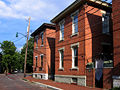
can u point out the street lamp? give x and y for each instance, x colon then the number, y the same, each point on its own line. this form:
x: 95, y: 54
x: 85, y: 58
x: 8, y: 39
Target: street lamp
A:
x: 28, y: 28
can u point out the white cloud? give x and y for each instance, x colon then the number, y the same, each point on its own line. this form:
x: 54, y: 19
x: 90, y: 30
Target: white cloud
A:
x: 19, y: 49
x: 37, y: 9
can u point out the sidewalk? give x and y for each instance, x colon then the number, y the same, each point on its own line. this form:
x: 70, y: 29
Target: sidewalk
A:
x: 57, y: 86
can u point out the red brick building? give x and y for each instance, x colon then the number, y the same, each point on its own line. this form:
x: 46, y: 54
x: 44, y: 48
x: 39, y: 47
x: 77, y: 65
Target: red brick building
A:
x: 116, y: 42
x: 83, y: 32
x: 44, y: 52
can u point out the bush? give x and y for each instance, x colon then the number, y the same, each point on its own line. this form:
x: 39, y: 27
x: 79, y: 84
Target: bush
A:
x: 115, y: 88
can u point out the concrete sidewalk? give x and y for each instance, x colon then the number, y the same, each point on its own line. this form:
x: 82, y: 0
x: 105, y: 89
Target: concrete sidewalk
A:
x: 58, y: 86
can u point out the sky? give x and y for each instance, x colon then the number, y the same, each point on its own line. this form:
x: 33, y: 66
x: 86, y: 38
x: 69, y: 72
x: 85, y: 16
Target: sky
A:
x: 14, y: 17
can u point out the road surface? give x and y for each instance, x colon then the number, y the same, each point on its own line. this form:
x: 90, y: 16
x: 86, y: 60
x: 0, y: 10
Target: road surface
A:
x: 15, y: 82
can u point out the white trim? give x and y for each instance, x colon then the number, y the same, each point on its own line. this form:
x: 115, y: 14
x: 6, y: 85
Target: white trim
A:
x: 67, y: 76
x: 44, y: 76
x: 41, y: 54
x: 72, y: 47
x: 75, y: 44
x: 61, y: 49
x: 60, y: 63
x: 74, y: 13
x: 62, y: 22
x: 116, y: 77
x: 72, y: 16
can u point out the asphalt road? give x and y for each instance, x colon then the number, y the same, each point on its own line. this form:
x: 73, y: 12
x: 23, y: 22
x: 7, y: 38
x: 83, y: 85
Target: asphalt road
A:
x: 15, y: 82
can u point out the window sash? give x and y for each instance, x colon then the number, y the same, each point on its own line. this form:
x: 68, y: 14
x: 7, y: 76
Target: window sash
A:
x: 61, y: 58
x: 74, y: 56
x: 75, y: 23
x: 61, y: 31
x: 36, y: 61
x: 42, y: 39
x: 105, y: 24
x: 41, y: 61
x: 36, y: 38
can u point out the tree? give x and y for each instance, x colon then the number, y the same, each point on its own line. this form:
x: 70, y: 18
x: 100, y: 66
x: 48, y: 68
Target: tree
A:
x: 29, y: 54
x: 8, y: 50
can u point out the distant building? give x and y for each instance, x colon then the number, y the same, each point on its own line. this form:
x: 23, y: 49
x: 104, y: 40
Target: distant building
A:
x: 83, y: 34
x: 44, y: 52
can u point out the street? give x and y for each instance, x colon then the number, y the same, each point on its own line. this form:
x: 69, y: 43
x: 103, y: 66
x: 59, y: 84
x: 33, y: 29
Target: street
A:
x: 15, y: 82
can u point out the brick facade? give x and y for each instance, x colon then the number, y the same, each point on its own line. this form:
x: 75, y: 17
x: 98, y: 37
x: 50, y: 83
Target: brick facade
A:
x: 47, y: 50
x: 89, y: 38
x: 116, y: 43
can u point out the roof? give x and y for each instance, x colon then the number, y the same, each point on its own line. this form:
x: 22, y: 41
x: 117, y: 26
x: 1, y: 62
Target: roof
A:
x: 43, y: 27
x: 96, y: 3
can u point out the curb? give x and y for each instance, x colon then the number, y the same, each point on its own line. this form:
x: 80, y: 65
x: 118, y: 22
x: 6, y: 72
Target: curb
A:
x: 44, y: 85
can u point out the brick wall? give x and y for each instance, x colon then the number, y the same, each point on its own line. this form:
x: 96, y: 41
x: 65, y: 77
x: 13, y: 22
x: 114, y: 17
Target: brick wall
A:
x: 116, y: 35
x: 90, y: 40
x: 48, y: 50
x: 90, y: 77
x: 107, y: 78
x: 68, y: 40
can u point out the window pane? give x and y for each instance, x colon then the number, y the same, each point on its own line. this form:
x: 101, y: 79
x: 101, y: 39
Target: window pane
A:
x: 42, y: 38
x: 42, y: 61
x: 62, y: 56
x: 62, y: 31
x: 76, y: 23
x: 76, y: 56
x: 36, y: 41
x: 36, y: 61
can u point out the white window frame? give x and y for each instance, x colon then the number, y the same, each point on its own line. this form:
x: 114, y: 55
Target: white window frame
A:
x: 60, y: 58
x: 105, y: 22
x: 62, y: 22
x: 73, y: 59
x: 73, y: 25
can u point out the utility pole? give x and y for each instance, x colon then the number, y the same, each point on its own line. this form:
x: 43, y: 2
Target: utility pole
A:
x: 28, y: 29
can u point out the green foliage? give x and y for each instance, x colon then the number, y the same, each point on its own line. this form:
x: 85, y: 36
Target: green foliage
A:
x: 29, y: 54
x: 8, y: 50
x: 115, y: 88
x: 13, y: 60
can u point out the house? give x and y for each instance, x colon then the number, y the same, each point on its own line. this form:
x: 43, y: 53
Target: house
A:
x: 83, y: 34
x: 116, y: 42
x: 44, y: 51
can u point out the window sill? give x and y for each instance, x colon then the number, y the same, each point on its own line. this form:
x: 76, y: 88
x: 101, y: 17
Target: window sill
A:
x: 61, y: 69
x: 74, y: 34
x: 61, y: 40
x: 41, y: 45
x: 74, y: 68
x: 36, y: 47
x: 107, y: 33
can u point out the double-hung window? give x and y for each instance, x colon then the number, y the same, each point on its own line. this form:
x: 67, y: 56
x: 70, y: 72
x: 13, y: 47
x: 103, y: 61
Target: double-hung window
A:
x: 61, y: 56
x: 42, y: 38
x: 74, y: 17
x: 61, y: 24
x: 105, y: 23
x: 36, y: 61
x: 36, y: 39
x: 74, y: 48
x: 41, y: 60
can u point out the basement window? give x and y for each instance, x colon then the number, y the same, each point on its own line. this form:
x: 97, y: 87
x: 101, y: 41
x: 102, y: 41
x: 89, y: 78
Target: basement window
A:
x: 74, y: 81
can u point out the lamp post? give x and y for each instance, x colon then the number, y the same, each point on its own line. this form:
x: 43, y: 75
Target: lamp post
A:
x: 28, y: 29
